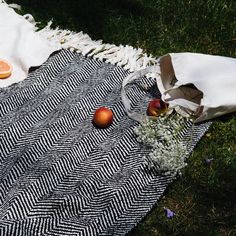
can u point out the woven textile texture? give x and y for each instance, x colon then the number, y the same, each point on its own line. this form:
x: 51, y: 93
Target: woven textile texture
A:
x: 59, y: 175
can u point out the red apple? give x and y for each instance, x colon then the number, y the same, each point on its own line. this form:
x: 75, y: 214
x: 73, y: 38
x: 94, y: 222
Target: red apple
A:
x: 156, y: 107
x: 103, y: 117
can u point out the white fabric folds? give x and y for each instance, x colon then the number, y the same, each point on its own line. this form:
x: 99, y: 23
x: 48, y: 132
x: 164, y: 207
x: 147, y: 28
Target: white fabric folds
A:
x: 194, y: 84
x: 21, y: 45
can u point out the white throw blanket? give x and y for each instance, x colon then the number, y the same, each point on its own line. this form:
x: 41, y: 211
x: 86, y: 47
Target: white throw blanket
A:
x: 21, y: 45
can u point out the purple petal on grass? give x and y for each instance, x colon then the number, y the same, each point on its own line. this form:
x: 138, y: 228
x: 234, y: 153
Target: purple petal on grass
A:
x: 209, y: 161
x: 169, y: 213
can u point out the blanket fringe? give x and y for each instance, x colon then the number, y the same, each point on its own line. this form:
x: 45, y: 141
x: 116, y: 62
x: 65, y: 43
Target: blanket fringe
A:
x: 12, y: 5
x: 125, y: 56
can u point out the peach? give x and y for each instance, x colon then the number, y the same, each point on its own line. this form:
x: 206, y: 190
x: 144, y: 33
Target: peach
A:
x: 156, y: 107
x: 103, y: 117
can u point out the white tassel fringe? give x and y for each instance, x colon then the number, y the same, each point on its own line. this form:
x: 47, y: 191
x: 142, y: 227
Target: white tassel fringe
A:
x: 125, y: 56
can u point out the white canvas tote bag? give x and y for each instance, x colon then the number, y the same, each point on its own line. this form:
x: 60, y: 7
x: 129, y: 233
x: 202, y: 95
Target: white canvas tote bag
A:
x: 200, y: 85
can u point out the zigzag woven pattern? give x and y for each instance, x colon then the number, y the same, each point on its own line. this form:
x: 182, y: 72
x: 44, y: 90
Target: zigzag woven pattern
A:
x: 59, y: 175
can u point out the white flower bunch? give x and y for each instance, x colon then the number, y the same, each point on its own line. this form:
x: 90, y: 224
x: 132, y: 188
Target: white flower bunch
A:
x: 168, y: 152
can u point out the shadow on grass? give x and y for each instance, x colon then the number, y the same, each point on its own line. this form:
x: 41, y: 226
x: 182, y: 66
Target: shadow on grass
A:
x: 158, y: 27
x: 87, y: 15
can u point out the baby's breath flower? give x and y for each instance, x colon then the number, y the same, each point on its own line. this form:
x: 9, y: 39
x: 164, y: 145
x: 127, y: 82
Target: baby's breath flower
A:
x: 168, y: 152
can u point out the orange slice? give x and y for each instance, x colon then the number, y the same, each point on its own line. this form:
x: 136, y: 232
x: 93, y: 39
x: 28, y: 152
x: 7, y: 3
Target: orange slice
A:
x: 5, y: 69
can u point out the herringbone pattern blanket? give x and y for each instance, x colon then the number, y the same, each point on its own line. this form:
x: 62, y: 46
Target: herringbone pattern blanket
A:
x: 59, y: 175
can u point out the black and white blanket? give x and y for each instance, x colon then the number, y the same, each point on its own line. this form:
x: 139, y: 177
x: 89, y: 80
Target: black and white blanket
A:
x: 59, y: 175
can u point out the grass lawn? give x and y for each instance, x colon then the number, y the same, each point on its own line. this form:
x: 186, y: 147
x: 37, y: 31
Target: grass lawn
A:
x: 204, y: 198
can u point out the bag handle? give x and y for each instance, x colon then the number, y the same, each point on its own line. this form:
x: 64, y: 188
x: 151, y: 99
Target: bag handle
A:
x: 129, y: 79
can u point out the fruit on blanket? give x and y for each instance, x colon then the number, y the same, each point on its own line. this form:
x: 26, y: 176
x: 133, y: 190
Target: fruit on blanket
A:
x: 103, y: 117
x: 5, y: 69
x: 156, y: 107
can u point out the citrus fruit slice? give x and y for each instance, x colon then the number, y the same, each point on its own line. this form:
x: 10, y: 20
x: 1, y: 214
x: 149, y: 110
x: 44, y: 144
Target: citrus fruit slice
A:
x: 5, y: 69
